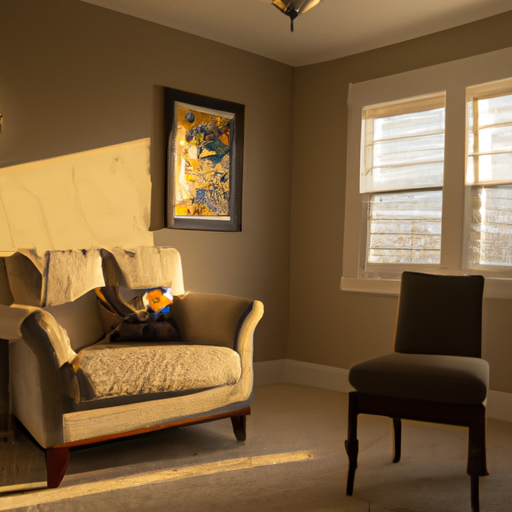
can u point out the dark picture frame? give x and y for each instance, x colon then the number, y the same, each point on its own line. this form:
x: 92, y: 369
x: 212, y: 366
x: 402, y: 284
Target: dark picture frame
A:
x: 204, y: 144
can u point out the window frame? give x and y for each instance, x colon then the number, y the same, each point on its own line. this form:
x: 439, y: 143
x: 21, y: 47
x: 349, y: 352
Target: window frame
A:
x: 370, y: 187
x: 481, y: 92
x: 453, y: 78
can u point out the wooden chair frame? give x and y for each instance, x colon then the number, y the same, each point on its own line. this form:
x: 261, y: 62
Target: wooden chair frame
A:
x: 471, y: 416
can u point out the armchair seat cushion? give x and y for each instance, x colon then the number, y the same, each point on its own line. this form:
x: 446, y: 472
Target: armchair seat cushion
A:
x: 108, y: 370
x: 440, y: 378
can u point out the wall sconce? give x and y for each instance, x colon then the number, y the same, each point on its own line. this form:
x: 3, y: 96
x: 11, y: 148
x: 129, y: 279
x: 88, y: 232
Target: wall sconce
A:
x: 293, y: 8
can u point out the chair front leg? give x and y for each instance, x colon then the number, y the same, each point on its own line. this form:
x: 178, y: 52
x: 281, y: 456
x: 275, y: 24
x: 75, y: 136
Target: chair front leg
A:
x: 352, y: 444
x: 477, y: 460
x: 397, y: 437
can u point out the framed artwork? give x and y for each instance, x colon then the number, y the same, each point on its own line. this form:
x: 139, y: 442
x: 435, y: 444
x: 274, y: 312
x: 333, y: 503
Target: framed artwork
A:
x: 205, y: 139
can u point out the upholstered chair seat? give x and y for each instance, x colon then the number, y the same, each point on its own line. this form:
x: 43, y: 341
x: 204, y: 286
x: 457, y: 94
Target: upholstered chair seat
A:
x: 438, y: 378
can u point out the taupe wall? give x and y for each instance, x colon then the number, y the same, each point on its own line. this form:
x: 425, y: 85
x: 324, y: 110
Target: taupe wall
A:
x: 340, y: 328
x: 74, y: 77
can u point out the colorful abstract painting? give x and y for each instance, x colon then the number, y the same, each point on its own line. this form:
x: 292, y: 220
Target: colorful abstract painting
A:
x: 205, y: 143
x: 202, y: 162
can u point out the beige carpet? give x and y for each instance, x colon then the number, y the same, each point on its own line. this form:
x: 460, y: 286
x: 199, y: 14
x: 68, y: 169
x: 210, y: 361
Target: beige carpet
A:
x: 293, y: 460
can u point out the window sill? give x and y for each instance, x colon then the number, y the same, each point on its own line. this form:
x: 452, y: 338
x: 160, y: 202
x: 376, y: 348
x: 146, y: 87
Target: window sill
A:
x: 379, y: 286
x: 495, y: 288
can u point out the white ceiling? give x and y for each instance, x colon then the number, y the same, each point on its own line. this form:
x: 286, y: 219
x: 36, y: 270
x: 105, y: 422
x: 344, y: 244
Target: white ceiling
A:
x: 333, y: 29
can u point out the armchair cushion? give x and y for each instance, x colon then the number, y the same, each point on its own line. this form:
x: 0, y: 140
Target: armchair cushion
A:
x: 449, y: 379
x: 127, y: 369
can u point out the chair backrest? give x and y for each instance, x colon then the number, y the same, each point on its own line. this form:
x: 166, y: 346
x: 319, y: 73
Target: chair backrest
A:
x: 439, y: 314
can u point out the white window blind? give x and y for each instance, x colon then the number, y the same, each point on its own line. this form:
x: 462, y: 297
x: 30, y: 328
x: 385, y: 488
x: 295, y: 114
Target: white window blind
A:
x: 403, y: 145
x: 489, y: 140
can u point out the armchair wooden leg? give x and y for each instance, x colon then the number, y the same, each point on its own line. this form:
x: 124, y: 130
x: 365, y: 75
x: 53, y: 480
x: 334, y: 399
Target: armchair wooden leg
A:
x: 57, y: 460
x: 397, y: 437
x: 239, y: 427
x: 352, y: 444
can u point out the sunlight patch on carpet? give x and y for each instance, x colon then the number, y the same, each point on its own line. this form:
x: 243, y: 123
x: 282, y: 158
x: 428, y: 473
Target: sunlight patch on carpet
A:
x: 157, y: 477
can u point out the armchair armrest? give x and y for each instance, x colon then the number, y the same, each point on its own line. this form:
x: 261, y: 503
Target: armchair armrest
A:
x: 13, y: 317
x: 221, y: 320
x: 42, y: 380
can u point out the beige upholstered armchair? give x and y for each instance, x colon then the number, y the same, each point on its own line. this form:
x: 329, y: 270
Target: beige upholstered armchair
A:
x: 72, y: 384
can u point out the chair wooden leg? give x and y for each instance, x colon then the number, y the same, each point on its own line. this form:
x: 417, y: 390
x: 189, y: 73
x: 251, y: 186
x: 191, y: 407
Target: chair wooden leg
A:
x: 57, y: 460
x: 477, y: 460
x: 239, y: 427
x: 352, y: 444
x: 397, y: 437
x: 475, y: 498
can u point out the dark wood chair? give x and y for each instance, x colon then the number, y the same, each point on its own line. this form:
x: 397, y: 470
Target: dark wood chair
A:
x: 435, y: 373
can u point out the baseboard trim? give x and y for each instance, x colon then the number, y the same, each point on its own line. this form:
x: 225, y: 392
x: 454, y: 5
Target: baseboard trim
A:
x: 499, y: 405
x: 289, y: 371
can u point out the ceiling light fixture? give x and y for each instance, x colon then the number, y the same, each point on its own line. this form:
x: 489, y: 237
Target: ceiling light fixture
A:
x: 293, y: 8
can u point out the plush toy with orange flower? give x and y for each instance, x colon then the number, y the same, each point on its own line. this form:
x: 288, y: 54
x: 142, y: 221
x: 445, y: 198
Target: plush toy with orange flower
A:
x: 150, y: 319
x: 157, y: 300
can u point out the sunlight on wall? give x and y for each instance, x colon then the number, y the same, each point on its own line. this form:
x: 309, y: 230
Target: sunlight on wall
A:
x: 97, y: 198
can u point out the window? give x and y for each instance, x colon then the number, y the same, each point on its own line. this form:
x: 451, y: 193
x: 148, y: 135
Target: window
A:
x: 489, y: 174
x: 429, y: 175
x: 402, y: 155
